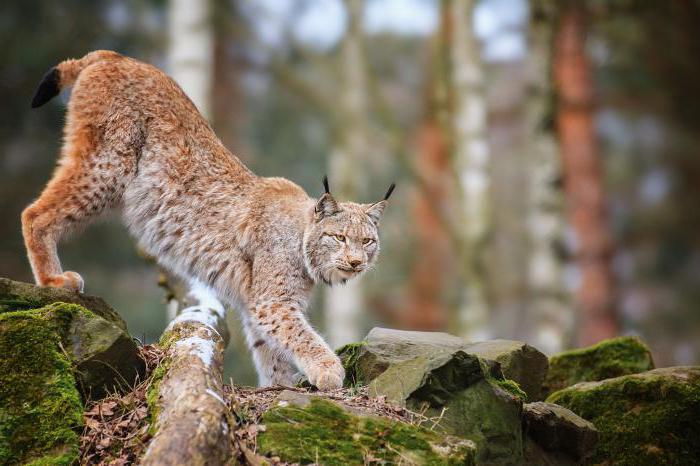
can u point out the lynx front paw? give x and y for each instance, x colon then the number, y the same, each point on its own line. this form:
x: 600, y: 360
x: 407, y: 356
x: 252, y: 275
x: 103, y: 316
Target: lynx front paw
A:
x: 69, y: 280
x: 326, y: 375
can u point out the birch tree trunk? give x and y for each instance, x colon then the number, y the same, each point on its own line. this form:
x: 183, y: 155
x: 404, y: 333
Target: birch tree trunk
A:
x: 192, y: 420
x: 471, y: 152
x: 191, y: 50
x: 344, y: 304
x: 549, y: 313
x: 584, y: 179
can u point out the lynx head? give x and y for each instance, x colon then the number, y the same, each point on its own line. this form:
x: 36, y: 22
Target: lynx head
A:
x: 341, y: 239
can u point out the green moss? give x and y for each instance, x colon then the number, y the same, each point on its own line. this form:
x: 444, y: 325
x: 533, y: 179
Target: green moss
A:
x: 153, y: 395
x: 512, y: 387
x: 323, y: 433
x: 604, y: 360
x: 643, y: 419
x: 349, y: 354
x: 41, y: 409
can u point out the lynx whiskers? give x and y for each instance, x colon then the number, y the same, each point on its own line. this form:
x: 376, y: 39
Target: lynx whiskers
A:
x: 134, y: 141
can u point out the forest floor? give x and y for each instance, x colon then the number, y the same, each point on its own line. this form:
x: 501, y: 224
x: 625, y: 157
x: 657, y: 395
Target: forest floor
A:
x: 118, y: 427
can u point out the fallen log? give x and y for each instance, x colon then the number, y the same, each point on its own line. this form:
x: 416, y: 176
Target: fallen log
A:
x: 190, y: 417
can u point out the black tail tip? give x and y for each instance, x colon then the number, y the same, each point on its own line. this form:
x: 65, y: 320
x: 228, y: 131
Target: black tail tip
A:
x: 48, y: 88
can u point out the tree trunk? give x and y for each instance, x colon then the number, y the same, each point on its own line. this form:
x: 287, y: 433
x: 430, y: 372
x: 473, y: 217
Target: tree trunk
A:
x: 583, y: 179
x: 429, y: 289
x: 191, y: 50
x: 471, y: 153
x: 344, y: 304
x: 430, y: 280
x: 548, y: 319
x: 192, y: 420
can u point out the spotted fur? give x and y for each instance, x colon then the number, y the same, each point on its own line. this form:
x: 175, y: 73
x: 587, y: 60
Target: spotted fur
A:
x: 134, y: 141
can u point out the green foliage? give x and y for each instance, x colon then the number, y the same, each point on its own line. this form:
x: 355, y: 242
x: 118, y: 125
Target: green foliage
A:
x: 41, y: 409
x: 323, y: 433
x: 604, y: 360
x: 643, y: 419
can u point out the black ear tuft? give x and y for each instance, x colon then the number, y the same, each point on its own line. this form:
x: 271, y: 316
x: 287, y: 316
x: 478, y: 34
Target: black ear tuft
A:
x: 389, y: 191
x: 325, y: 184
x: 49, y: 87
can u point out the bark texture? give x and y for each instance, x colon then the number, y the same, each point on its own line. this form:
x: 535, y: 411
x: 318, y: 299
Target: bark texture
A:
x: 186, y: 398
x: 191, y: 50
x: 584, y: 179
x: 549, y: 312
x: 471, y: 155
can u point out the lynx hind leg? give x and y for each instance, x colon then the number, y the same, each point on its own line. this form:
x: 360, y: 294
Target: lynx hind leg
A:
x: 273, y: 366
x: 84, y: 184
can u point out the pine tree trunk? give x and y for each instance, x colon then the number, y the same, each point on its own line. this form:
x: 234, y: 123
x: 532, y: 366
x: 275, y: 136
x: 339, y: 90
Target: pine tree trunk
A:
x: 583, y: 179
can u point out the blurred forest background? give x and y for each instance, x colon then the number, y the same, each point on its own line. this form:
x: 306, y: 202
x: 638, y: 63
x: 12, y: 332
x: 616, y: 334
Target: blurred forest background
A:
x: 547, y: 153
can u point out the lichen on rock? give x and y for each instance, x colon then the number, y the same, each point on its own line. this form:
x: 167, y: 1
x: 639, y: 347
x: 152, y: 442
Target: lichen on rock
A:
x: 322, y: 432
x: 604, y: 360
x: 649, y: 418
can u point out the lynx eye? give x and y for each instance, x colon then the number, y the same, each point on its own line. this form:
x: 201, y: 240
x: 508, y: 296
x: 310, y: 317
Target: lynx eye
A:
x: 339, y: 238
x: 367, y: 241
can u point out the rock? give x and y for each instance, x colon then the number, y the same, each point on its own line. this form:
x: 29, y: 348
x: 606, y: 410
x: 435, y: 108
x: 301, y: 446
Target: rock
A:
x: 41, y: 411
x: 17, y: 296
x: 649, y: 418
x: 519, y: 362
x: 556, y: 429
x: 464, y: 397
x: 91, y: 333
x: 535, y: 455
x: 384, y: 347
x: 307, y: 429
x: 56, y: 345
x: 604, y: 360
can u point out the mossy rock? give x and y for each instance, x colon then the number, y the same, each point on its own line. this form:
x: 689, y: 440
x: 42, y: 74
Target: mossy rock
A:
x: 519, y: 362
x: 17, y: 296
x: 465, y: 396
x: 40, y: 407
x: 649, y: 418
x: 604, y: 360
x: 322, y: 432
x: 383, y: 348
x: 95, y: 338
x: 55, y: 355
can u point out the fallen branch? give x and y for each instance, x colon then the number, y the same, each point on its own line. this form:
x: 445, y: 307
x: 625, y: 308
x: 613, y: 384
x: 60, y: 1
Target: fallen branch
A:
x: 191, y: 419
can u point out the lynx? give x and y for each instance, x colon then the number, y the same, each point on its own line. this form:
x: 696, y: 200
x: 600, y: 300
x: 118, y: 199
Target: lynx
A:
x: 134, y: 141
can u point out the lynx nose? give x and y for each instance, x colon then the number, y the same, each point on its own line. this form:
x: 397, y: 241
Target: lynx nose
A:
x: 354, y: 263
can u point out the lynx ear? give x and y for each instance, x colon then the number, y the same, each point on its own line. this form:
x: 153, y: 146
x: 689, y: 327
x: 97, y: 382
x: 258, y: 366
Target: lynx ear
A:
x: 375, y: 211
x: 326, y: 206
